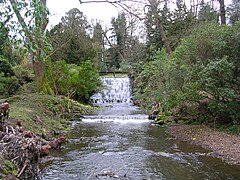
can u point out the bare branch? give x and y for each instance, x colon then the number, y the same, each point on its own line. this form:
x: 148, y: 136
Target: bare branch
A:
x: 105, y: 35
x: 59, y: 48
x: 128, y: 9
x: 117, y: 4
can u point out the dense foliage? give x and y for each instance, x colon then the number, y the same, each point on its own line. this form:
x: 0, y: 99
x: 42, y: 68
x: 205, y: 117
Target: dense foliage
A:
x: 78, y: 82
x: 201, y: 78
x: 8, y: 82
x: 70, y: 39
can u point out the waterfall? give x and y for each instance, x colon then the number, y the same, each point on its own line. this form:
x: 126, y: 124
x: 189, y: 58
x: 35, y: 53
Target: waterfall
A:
x: 116, y: 104
x: 117, y: 90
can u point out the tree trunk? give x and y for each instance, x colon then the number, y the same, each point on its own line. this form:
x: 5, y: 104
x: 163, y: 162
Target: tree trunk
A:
x: 222, y: 11
x: 154, y: 6
x: 38, y: 65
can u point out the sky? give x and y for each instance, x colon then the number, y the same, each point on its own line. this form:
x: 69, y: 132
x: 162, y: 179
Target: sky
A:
x: 100, y: 11
x: 93, y: 11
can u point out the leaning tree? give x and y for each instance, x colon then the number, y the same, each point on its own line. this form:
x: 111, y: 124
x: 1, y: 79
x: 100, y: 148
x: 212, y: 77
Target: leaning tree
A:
x: 30, y: 27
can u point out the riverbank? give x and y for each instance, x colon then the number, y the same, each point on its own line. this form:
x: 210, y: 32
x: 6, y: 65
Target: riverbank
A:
x: 35, y: 120
x: 45, y: 114
x: 221, y: 145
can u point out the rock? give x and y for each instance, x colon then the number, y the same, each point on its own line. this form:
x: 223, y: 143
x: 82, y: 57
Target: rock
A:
x: 56, y: 144
x: 44, y: 150
x: 137, y: 103
x: 151, y: 117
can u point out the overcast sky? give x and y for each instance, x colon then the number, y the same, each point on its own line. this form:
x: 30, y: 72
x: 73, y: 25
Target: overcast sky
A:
x: 100, y: 11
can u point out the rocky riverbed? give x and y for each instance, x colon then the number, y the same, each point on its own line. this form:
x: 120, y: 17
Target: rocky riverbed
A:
x: 220, y: 144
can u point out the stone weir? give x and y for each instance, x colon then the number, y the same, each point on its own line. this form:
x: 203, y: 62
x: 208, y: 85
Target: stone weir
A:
x: 117, y: 90
x: 116, y: 104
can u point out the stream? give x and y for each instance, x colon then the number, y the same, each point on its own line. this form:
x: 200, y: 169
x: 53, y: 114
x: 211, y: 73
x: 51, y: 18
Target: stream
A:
x: 119, y: 142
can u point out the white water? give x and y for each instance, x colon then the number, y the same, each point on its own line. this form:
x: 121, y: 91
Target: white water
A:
x: 127, y: 146
x: 116, y: 103
x: 118, y: 90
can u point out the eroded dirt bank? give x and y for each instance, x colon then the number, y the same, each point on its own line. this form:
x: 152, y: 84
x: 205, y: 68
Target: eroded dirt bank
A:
x: 220, y: 144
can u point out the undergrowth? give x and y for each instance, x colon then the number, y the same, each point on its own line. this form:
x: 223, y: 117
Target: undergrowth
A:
x: 45, y: 114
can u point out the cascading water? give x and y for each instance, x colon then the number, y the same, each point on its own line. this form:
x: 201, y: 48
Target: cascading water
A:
x: 118, y: 142
x: 118, y: 90
x: 116, y: 101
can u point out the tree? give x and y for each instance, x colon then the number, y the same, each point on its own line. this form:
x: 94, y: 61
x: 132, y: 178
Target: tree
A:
x: 222, y: 11
x: 98, y: 45
x: 125, y: 49
x: 154, y: 40
x: 33, y: 25
x: 153, y: 7
x: 207, y: 13
x: 234, y: 12
x: 3, y: 37
x: 119, y: 36
x: 6, y: 45
x: 178, y: 22
x: 70, y: 39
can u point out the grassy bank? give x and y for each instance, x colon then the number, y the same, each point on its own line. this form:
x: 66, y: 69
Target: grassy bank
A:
x: 45, y: 114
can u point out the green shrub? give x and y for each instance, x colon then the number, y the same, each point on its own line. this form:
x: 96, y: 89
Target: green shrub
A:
x: 8, y: 85
x: 78, y: 82
x: 204, y: 68
x: 5, y: 67
x: 89, y: 80
x: 24, y: 73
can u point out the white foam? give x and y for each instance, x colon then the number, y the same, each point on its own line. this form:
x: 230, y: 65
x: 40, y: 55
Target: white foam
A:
x: 117, y: 90
x: 117, y: 119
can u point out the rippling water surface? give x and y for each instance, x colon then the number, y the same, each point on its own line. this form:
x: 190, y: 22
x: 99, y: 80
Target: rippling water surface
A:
x: 105, y: 148
x: 119, y: 142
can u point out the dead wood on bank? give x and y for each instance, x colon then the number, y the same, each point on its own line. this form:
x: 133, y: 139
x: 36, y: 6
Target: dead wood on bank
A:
x: 25, y: 149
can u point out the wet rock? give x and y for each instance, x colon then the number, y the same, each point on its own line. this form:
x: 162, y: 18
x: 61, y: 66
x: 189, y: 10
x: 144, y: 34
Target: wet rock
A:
x: 151, y: 117
x: 56, y: 144
x: 44, y: 150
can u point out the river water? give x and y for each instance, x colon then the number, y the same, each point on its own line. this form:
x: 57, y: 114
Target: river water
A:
x: 119, y: 142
